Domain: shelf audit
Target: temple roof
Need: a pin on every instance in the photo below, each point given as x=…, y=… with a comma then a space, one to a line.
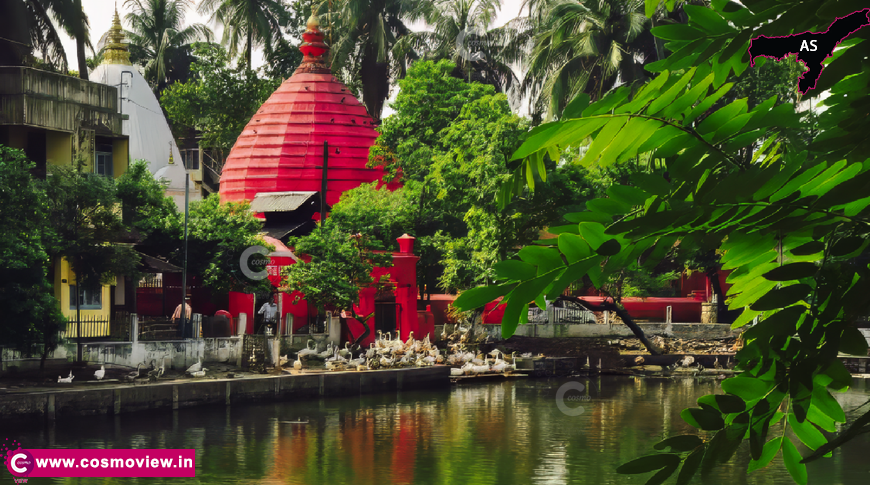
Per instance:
x=282, y=147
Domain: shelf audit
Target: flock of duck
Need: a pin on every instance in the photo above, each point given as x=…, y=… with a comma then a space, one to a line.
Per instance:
x=154, y=372
x=388, y=352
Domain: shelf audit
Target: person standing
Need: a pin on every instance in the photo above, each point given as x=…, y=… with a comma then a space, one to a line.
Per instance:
x=269, y=310
x=176, y=316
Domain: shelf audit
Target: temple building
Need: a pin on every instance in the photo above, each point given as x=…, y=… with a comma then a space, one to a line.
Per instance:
x=307, y=144
x=143, y=119
x=282, y=147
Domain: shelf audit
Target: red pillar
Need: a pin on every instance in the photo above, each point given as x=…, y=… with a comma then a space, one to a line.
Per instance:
x=405, y=275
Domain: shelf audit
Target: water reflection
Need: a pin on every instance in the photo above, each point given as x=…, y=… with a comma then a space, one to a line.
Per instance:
x=504, y=433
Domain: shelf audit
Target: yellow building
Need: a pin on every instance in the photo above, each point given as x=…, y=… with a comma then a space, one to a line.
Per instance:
x=53, y=117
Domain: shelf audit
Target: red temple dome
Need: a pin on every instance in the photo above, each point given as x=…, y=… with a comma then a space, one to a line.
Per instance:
x=281, y=148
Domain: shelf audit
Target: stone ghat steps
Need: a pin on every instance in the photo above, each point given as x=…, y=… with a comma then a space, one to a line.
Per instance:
x=113, y=400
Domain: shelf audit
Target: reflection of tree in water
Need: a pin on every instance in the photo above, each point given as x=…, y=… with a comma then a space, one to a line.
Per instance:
x=510, y=433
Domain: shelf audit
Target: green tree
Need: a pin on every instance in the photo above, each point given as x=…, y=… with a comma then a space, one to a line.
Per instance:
x=381, y=214
x=159, y=36
x=219, y=101
x=31, y=26
x=571, y=46
x=247, y=23
x=218, y=235
x=341, y=263
x=366, y=43
x=461, y=33
x=85, y=228
x=31, y=313
x=147, y=211
x=791, y=223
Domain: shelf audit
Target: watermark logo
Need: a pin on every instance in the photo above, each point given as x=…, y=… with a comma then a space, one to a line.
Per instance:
x=249, y=265
x=562, y=396
x=19, y=462
x=470, y=43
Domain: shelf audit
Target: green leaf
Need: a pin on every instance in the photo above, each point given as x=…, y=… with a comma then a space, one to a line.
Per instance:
x=847, y=245
x=840, y=376
x=573, y=273
x=589, y=216
x=808, y=434
x=514, y=270
x=812, y=247
x=627, y=194
x=545, y=259
x=652, y=183
x=648, y=463
x=767, y=454
x=575, y=248
x=853, y=342
x=708, y=20
x=663, y=474
x=670, y=95
x=610, y=247
x=561, y=133
x=477, y=297
x=690, y=466
x=593, y=233
x=826, y=404
x=520, y=298
x=687, y=442
x=747, y=388
x=575, y=108
x=705, y=419
x=650, y=7
x=607, y=206
x=722, y=116
x=792, y=271
x=676, y=32
x=792, y=460
x=782, y=297
x=747, y=316
x=816, y=416
x=603, y=139
x=707, y=103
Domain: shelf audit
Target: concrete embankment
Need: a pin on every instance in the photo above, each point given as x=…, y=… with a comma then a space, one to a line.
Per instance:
x=117, y=399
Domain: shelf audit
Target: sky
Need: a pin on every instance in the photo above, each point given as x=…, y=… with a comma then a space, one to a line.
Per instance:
x=100, y=13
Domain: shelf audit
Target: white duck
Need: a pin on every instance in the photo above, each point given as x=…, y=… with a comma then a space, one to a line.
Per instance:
x=297, y=364
x=66, y=380
x=282, y=361
x=326, y=353
x=308, y=349
x=100, y=373
x=687, y=360
x=199, y=373
x=195, y=367
x=455, y=372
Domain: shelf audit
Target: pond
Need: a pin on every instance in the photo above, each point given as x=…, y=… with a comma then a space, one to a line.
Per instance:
x=507, y=432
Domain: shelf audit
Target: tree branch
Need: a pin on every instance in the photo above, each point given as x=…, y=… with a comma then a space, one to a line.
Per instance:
x=621, y=313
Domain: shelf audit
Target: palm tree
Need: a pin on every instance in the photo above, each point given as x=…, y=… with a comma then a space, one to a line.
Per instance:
x=581, y=46
x=462, y=35
x=370, y=43
x=252, y=22
x=29, y=26
x=158, y=35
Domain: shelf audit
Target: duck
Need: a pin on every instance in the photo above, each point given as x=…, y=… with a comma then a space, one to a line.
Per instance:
x=199, y=373
x=410, y=342
x=586, y=365
x=297, y=364
x=716, y=364
x=638, y=360
x=195, y=367
x=308, y=350
x=135, y=374
x=499, y=366
x=455, y=372
x=326, y=353
x=334, y=365
x=100, y=373
x=687, y=360
x=282, y=361
x=66, y=380
x=345, y=352
x=528, y=355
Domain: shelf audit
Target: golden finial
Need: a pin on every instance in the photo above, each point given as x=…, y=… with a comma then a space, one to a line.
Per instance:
x=116, y=50
x=313, y=22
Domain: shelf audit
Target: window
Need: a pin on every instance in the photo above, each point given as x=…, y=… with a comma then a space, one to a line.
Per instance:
x=88, y=299
x=190, y=158
x=103, y=163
